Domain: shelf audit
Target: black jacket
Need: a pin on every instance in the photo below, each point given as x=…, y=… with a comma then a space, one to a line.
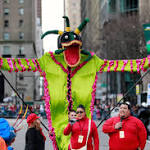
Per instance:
x=34, y=140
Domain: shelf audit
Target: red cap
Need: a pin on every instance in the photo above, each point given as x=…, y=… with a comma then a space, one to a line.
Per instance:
x=31, y=118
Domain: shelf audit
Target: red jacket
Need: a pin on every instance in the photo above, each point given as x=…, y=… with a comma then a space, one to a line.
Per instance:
x=3, y=145
x=134, y=134
x=82, y=126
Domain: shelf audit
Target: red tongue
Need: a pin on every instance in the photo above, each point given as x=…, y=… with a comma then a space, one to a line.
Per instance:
x=72, y=56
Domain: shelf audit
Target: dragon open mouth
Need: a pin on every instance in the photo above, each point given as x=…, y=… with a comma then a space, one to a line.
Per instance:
x=72, y=53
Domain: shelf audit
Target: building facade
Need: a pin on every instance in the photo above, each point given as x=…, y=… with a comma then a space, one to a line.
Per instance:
x=144, y=14
x=101, y=14
x=20, y=31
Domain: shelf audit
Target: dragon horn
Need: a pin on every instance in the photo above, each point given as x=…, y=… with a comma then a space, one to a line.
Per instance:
x=81, y=26
x=23, y=117
x=67, y=24
x=20, y=112
x=52, y=32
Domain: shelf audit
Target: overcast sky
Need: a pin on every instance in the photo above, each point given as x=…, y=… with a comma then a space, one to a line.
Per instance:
x=52, y=12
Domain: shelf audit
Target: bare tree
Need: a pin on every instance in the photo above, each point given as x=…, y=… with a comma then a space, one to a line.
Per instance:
x=124, y=38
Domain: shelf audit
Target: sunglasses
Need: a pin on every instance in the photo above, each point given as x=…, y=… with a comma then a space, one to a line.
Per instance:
x=79, y=112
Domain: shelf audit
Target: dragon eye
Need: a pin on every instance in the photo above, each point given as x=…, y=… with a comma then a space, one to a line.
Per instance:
x=75, y=36
x=66, y=37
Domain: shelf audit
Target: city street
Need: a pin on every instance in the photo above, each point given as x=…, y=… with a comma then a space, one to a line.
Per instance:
x=91, y=55
x=20, y=140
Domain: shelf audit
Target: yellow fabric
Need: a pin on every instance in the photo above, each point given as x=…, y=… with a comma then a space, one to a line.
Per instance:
x=100, y=62
x=60, y=32
x=5, y=65
x=77, y=31
x=68, y=29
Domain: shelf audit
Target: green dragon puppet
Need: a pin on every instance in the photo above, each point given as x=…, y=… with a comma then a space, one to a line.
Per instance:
x=70, y=76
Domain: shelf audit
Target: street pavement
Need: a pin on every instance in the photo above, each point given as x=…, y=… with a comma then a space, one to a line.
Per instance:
x=19, y=143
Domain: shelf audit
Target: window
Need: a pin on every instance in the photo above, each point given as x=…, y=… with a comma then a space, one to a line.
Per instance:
x=6, y=23
x=21, y=50
x=6, y=50
x=21, y=11
x=20, y=23
x=21, y=1
x=6, y=36
x=112, y=6
x=21, y=77
x=6, y=1
x=21, y=35
x=129, y=5
x=6, y=11
x=38, y=21
x=41, y=86
x=21, y=92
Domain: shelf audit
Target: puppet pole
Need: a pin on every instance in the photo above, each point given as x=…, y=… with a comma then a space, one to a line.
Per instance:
x=21, y=98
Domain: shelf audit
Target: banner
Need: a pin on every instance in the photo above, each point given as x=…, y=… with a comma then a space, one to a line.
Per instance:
x=148, y=94
x=119, y=97
x=137, y=89
x=147, y=36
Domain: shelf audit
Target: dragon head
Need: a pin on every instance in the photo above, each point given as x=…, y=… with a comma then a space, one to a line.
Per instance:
x=69, y=42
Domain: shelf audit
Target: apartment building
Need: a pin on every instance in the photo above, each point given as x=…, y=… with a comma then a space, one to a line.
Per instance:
x=101, y=12
x=20, y=31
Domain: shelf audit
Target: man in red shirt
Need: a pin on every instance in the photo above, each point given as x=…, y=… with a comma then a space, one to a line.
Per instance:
x=125, y=131
x=79, y=131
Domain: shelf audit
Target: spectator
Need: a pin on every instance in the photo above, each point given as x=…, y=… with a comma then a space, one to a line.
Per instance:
x=7, y=135
x=125, y=131
x=3, y=145
x=134, y=111
x=42, y=110
x=72, y=116
x=98, y=113
x=143, y=115
x=94, y=113
x=80, y=129
x=35, y=139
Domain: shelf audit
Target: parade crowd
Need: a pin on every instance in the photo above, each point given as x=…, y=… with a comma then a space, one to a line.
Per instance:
x=127, y=127
x=9, y=110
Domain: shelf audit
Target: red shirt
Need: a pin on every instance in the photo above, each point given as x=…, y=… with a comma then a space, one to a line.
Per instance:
x=134, y=134
x=81, y=128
